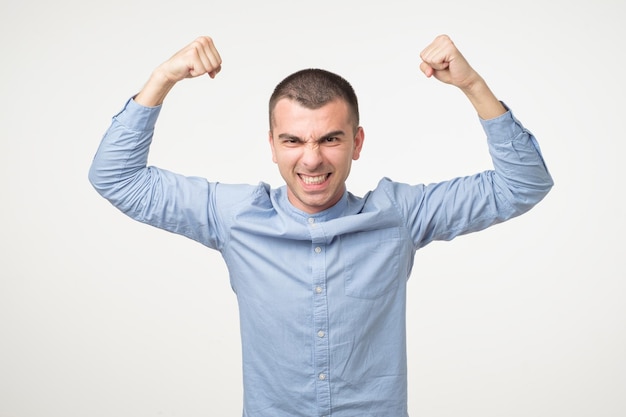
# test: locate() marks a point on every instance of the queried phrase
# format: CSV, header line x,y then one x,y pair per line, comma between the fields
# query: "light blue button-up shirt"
x,y
321,296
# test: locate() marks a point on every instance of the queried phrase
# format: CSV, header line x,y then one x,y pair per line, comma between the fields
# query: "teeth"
x,y
313,180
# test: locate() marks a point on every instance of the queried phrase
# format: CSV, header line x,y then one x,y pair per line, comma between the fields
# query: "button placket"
x,y
320,316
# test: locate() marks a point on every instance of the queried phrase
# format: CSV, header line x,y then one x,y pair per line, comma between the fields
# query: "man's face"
x,y
314,150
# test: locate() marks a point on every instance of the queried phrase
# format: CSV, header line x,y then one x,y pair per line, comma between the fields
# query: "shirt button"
x,y
311,220
318,290
322,377
321,333
318,249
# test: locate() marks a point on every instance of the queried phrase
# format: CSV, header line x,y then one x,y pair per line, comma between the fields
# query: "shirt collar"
x,y
329,214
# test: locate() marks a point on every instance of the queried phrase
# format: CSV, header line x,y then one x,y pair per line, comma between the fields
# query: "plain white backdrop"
x,y
102,316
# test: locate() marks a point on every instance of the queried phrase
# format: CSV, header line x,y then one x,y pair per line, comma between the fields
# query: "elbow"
x,y
525,198
543,187
92,176
104,181
125,191
97,180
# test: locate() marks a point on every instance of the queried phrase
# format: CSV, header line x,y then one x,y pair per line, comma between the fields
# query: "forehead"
x,y
289,114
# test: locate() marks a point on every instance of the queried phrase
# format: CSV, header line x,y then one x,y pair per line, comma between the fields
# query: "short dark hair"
x,y
313,88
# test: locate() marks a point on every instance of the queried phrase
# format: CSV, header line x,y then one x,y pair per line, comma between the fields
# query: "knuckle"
x,y
205,40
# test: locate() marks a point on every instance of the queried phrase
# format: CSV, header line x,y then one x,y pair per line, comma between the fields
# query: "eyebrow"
x,y
322,138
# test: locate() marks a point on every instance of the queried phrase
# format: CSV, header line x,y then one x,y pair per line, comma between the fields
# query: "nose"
x,y
312,155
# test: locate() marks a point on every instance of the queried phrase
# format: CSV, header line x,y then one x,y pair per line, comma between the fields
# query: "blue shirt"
x,y
322,297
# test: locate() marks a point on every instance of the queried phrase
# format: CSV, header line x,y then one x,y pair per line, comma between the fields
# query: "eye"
x,y
290,141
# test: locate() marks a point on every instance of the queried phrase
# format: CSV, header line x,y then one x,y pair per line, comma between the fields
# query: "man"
x,y
320,274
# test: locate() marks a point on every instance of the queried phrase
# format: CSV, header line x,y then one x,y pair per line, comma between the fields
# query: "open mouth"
x,y
314,180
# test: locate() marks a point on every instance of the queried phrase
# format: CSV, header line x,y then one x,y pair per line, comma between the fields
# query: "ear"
x,y
359,138
271,141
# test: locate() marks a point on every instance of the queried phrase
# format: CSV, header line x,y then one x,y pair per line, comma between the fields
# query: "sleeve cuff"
x,y
136,117
503,128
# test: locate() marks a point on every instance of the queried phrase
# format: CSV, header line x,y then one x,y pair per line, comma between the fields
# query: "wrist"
x,y
475,87
484,101
156,89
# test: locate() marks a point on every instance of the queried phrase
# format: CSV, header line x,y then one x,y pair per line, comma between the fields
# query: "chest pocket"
x,y
372,262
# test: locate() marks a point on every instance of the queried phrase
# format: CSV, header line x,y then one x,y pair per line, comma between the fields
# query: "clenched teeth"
x,y
314,180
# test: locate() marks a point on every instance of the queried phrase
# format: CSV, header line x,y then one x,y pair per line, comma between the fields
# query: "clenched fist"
x,y
198,58
442,60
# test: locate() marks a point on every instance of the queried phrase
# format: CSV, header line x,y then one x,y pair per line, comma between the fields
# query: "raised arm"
x,y
519,178
442,60
119,170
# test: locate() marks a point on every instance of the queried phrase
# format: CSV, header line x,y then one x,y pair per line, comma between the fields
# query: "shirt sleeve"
x,y
163,199
518,181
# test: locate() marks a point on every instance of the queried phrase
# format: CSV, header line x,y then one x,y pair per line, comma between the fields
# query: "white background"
x,y
102,316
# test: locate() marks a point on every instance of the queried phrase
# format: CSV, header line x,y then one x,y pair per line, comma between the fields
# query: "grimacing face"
x,y
314,150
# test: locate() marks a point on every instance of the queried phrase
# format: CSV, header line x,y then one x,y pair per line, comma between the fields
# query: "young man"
x,y
320,274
